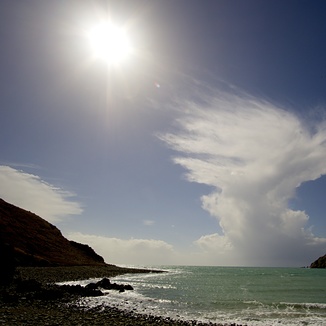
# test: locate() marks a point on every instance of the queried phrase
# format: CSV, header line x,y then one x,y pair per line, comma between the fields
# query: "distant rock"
x,y
319,263
28,240
107,285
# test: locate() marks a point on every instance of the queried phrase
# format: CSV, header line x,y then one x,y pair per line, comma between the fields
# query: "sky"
x,y
204,145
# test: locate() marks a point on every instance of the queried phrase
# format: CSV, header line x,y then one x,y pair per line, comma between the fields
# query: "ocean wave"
x,y
212,295
262,315
308,305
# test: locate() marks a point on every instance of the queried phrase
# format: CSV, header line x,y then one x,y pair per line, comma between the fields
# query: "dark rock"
x,y
91,286
104,284
28,286
92,293
115,286
107,285
8,263
54,293
128,287
81,291
73,289
319,263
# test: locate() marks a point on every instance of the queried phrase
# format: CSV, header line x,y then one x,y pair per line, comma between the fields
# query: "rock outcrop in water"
x,y
31,290
319,263
28,240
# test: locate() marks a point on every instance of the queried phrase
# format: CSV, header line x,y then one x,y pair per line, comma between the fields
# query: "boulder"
x,y
91,286
107,285
104,284
128,287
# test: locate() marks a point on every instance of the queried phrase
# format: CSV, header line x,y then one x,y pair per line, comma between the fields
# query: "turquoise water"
x,y
250,296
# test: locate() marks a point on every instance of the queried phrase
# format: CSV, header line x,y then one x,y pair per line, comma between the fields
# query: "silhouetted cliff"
x,y
319,263
29,240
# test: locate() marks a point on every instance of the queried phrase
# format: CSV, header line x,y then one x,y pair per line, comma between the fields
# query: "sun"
x,y
109,43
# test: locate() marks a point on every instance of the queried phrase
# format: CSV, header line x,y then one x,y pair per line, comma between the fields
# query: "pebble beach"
x,y
21,310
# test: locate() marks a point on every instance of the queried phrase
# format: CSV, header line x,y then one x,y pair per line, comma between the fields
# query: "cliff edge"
x,y
29,240
319,263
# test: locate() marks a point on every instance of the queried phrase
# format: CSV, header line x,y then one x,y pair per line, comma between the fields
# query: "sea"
x,y
242,295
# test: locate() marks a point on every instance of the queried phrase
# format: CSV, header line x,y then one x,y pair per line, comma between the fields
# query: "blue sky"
x,y
206,145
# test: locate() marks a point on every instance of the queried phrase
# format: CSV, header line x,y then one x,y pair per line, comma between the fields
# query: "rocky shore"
x,y
34,299
74,273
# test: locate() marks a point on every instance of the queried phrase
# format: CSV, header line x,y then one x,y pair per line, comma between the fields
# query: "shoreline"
x,y
65,311
76,273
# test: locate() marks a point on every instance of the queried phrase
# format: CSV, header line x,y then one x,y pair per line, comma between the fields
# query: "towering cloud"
x,y
254,155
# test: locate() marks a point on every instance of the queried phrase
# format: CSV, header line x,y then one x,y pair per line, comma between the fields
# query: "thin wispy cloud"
x,y
254,155
30,192
20,165
148,222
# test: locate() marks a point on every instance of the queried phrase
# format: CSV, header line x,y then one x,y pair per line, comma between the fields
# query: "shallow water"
x,y
251,296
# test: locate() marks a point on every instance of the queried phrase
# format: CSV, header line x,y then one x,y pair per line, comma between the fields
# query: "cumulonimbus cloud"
x,y
30,192
254,155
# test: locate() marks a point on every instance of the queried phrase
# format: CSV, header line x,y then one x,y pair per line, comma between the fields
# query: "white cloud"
x,y
254,154
148,222
128,251
214,242
30,192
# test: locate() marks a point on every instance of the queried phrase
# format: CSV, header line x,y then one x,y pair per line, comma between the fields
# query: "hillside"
x,y
32,241
319,263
